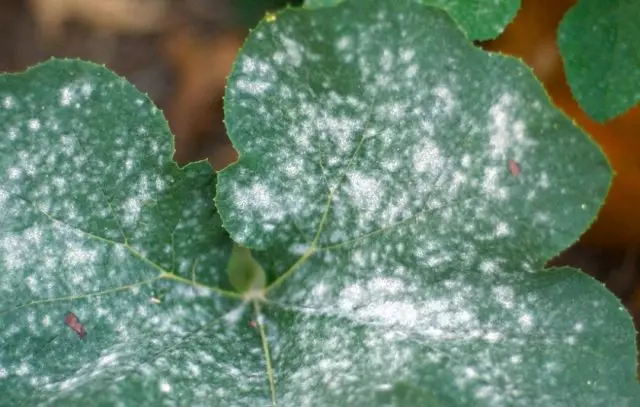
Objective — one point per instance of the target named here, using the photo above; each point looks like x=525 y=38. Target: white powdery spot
x=76 y=255
x=7 y=102
x=294 y=50
x=233 y=317
x=132 y=208
x=390 y=313
x=427 y=158
x=507 y=132
x=386 y=60
x=248 y=64
x=66 y=96
x=364 y=191
x=446 y=102
x=411 y=71
x=23 y=369
x=260 y=200
x=383 y=285
x=164 y=386
x=502 y=229
x=255 y=87
x=526 y=321
x=504 y=295
x=343 y=43
x=499 y=126
x=34 y=124
x=491 y=184
x=493 y=336
x=298 y=248
x=489 y=267
x=407 y=54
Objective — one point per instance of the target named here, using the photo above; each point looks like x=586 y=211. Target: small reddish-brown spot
x=514 y=168
x=253 y=324
x=72 y=321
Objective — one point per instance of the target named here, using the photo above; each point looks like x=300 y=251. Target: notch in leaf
x=244 y=272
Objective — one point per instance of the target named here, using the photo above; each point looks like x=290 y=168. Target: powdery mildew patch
x=422 y=245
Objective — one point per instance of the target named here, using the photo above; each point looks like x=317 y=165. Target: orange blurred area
x=532 y=37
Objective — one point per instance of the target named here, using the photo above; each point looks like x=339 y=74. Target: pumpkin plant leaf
x=415 y=186
x=100 y=229
x=599 y=46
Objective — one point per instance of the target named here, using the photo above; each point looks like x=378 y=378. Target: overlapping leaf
x=481 y=19
x=415 y=186
x=599 y=43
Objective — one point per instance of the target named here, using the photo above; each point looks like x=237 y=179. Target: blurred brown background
x=177 y=51
x=180 y=51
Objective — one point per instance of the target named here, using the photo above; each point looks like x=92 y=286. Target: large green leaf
x=600 y=44
x=98 y=220
x=414 y=186
x=481 y=19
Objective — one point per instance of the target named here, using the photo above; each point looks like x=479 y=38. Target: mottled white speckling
x=364 y=191
x=248 y=64
x=502 y=229
x=504 y=295
x=3 y=373
x=76 y=255
x=298 y=248
x=87 y=89
x=407 y=54
x=543 y=180
x=386 y=60
x=7 y=102
x=446 y=102
x=258 y=197
x=233 y=317
x=491 y=184
x=343 y=42
x=489 y=267
x=390 y=313
x=132 y=208
x=493 y=336
x=526 y=321
x=164 y=386
x=411 y=71
x=508 y=133
x=66 y=96
x=34 y=124
x=14 y=172
x=23 y=369
x=384 y=285
x=294 y=50
x=578 y=327
x=427 y=157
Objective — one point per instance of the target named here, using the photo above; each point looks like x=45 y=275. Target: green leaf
x=481 y=19
x=244 y=272
x=98 y=220
x=598 y=42
x=376 y=148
